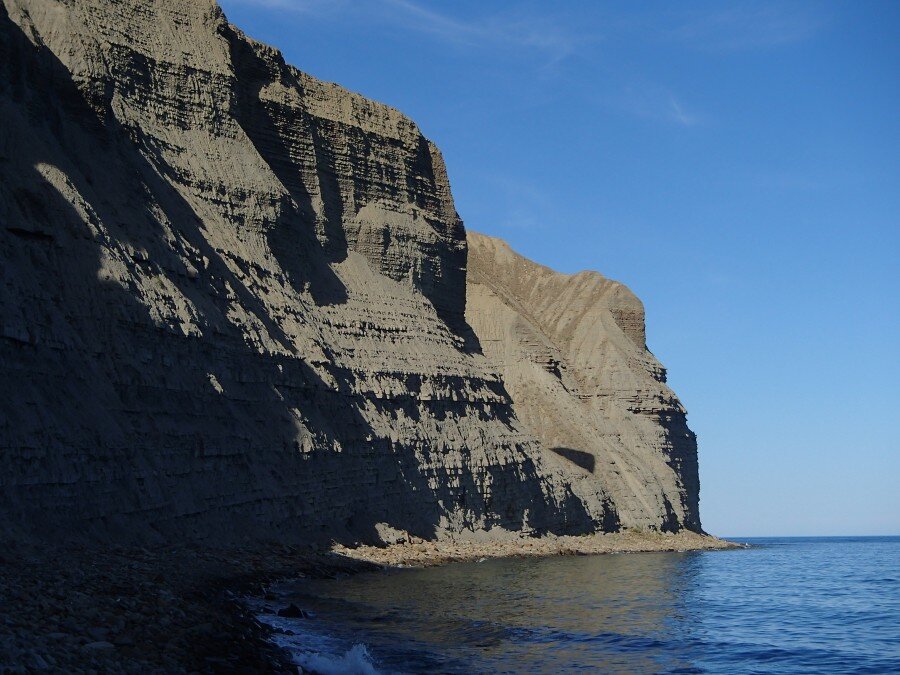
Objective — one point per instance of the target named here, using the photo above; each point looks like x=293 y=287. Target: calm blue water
x=785 y=605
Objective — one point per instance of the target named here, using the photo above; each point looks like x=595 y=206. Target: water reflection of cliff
x=603 y=613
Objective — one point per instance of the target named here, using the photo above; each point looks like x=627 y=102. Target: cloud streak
x=298 y=6
x=512 y=30
x=545 y=39
x=503 y=30
x=744 y=27
x=652 y=102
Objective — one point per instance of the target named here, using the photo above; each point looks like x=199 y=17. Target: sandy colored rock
x=573 y=356
x=432 y=553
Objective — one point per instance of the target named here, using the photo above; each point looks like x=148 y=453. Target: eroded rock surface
x=572 y=352
x=233 y=305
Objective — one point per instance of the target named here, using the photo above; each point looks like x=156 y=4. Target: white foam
x=356 y=661
x=318 y=652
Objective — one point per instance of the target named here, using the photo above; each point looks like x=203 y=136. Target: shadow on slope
x=580 y=458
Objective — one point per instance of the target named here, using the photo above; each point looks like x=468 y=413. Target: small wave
x=314 y=649
x=665 y=613
x=356 y=661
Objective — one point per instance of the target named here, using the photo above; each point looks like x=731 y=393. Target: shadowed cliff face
x=232 y=300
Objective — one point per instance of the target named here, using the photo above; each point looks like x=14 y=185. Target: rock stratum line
x=238 y=302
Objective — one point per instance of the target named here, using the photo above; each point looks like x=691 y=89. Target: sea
x=782 y=605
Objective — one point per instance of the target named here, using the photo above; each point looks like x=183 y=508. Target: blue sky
x=737 y=165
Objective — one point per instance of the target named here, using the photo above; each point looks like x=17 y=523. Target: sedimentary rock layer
x=572 y=353
x=233 y=301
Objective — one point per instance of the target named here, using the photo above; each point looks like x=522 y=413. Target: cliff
x=234 y=304
x=572 y=353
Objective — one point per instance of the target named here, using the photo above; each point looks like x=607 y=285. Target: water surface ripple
x=784 y=605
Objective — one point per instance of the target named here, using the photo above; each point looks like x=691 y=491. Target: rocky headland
x=239 y=307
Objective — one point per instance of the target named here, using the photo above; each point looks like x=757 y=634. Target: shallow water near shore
x=783 y=605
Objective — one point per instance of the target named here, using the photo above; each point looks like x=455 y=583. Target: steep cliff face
x=233 y=300
x=572 y=352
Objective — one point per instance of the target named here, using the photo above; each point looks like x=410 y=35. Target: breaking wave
x=355 y=661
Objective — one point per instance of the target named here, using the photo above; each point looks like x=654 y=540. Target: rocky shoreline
x=419 y=553
x=86 y=609
x=91 y=609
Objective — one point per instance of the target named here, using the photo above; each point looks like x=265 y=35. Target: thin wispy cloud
x=508 y=29
x=654 y=102
x=296 y=6
x=504 y=29
x=679 y=114
x=743 y=27
x=557 y=44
